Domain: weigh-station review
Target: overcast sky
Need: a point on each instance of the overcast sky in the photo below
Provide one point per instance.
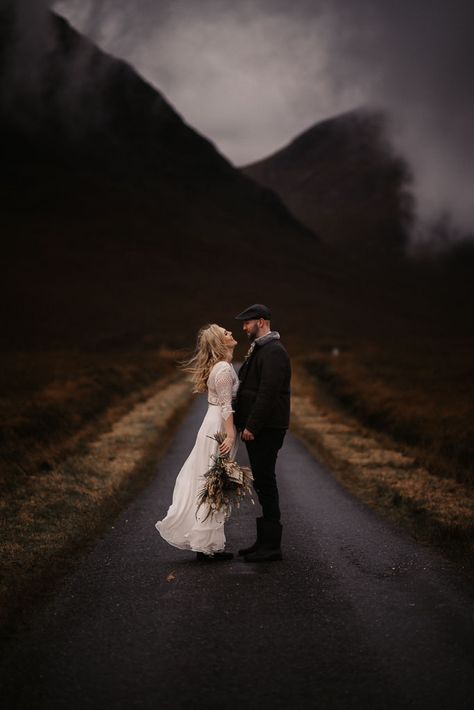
(251, 75)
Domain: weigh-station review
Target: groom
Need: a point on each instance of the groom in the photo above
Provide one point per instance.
(262, 413)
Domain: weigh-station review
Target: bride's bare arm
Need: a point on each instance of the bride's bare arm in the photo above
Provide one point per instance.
(229, 440)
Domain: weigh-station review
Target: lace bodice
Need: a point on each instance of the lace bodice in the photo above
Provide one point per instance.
(222, 386)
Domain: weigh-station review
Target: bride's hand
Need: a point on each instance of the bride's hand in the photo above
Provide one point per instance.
(227, 445)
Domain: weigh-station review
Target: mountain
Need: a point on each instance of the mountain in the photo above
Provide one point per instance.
(117, 218)
(122, 226)
(342, 179)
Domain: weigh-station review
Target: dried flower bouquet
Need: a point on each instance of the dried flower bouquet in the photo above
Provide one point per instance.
(226, 483)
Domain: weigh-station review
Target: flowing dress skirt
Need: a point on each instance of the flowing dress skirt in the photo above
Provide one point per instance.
(184, 526)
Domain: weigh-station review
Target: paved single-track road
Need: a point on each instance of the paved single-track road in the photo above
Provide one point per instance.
(356, 615)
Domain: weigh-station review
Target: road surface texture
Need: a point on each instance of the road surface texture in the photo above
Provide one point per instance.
(356, 615)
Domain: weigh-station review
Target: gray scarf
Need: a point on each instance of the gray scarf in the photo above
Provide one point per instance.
(272, 335)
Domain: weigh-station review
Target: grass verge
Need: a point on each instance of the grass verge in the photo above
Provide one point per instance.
(387, 475)
(420, 392)
(49, 517)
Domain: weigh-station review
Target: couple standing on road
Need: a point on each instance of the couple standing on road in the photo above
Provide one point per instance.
(257, 404)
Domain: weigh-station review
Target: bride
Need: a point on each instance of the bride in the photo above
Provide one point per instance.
(184, 525)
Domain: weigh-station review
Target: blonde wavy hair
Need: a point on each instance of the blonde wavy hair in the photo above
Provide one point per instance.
(210, 348)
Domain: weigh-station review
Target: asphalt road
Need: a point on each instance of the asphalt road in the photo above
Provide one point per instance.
(356, 616)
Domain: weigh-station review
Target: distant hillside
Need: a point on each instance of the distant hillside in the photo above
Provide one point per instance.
(342, 179)
(121, 225)
(118, 219)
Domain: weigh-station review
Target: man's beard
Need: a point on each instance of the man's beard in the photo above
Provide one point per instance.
(252, 334)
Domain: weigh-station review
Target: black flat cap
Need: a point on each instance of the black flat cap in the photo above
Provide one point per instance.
(258, 310)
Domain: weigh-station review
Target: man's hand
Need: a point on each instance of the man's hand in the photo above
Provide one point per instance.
(247, 435)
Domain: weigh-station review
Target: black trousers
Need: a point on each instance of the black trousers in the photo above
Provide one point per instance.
(263, 452)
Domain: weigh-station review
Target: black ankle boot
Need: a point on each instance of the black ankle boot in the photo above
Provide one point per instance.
(247, 550)
(269, 549)
(215, 557)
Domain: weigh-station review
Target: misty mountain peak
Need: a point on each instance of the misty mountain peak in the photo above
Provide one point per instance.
(343, 179)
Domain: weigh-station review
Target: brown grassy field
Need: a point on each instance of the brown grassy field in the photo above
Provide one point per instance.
(81, 435)
(54, 400)
(419, 391)
(386, 474)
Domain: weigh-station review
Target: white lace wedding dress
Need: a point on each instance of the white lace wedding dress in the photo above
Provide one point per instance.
(184, 526)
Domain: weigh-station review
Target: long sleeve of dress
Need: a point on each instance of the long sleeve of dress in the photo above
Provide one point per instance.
(223, 385)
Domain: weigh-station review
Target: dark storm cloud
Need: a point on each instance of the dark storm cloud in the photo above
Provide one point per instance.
(417, 60)
(251, 75)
